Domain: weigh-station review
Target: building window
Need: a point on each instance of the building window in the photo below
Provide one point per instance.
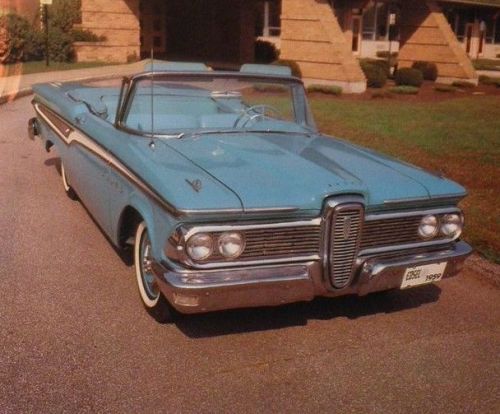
(157, 25)
(376, 21)
(157, 41)
(268, 18)
(369, 22)
(497, 32)
(382, 21)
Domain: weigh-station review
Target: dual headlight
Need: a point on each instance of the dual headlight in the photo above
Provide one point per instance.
(229, 245)
(448, 225)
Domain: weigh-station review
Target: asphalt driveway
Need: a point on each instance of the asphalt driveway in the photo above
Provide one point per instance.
(74, 336)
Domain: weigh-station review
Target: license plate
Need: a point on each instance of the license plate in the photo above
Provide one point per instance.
(420, 275)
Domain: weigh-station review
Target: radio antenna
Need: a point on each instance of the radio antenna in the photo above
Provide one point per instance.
(151, 144)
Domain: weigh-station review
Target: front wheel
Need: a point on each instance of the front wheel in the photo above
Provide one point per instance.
(153, 300)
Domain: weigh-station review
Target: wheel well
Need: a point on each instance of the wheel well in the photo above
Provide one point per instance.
(130, 219)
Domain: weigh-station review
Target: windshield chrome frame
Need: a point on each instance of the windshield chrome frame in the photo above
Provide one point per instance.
(129, 83)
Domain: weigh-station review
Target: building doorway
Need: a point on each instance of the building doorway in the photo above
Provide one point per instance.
(469, 29)
(212, 31)
(356, 34)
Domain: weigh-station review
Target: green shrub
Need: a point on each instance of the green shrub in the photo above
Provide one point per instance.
(429, 69)
(325, 89)
(404, 90)
(488, 80)
(486, 64)
(376, 76)
(14, 32)
(444, 88)
(384, 54)
(132, 57)
(34, 48)
(60, 46)
(63, 14)
(408, 77)
(265, 52)
(383, 64)
(85, 35)
(291, 64)
(463, 84)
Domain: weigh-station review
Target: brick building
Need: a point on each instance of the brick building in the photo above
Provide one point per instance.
(325, 37)
(27, 8)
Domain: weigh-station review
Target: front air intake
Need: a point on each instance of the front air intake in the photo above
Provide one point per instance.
(344, 239)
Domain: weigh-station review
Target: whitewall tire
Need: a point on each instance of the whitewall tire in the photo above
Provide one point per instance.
(67, 187)
(153, 300)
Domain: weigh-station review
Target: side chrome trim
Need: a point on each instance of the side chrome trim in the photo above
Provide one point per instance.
(71, 135)
(445, 197)
(189, 231)
(398, 247)
(420, 212)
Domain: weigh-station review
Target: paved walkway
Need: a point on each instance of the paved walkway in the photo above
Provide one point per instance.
(15, 86)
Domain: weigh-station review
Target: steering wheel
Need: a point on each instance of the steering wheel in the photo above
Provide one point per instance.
(260, 112)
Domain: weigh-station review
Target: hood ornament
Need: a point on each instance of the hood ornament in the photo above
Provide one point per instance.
(195, 184)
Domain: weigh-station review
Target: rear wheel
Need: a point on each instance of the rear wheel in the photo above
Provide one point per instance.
(67, 188)
(153, 300)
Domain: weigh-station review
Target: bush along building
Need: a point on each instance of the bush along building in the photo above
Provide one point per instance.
(326, 38)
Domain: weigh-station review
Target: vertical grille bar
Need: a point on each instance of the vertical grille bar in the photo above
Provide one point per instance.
(345, 236)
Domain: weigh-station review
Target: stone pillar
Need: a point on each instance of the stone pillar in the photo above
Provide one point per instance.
(312, 37)
(426, 35)
(118, 21)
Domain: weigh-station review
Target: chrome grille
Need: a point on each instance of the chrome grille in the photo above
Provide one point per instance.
(274, 243)
(390, 232)
(344, 242)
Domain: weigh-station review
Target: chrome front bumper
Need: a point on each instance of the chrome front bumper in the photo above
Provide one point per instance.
(198, 291)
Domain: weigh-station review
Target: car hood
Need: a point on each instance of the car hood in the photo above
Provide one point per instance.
(273, 170)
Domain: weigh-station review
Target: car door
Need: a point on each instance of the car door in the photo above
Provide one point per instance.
(89, 171)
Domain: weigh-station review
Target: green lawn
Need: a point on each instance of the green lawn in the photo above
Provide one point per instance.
(35, 67)
(459, 137)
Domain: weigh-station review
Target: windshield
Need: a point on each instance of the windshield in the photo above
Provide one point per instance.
(207, 103)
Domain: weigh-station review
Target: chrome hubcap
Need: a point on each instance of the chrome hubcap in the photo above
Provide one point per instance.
(148, 279)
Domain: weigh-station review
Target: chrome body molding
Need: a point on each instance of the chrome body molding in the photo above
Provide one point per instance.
(419, 212)
(195, 291)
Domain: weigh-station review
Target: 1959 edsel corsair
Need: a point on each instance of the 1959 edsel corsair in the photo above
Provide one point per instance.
(231, 198)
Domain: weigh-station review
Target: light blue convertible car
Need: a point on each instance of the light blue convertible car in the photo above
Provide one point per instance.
(227, 195)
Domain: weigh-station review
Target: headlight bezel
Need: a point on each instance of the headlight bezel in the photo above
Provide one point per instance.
(192, 239)
(234, 235)
(215, 249)
(426, 221)
(454, 218)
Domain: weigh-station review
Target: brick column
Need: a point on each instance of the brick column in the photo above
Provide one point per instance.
(426, 35)
(118, 20)
(311, 36)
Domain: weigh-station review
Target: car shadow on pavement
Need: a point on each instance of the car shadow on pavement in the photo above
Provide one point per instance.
(298, 314)
(54, 162)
